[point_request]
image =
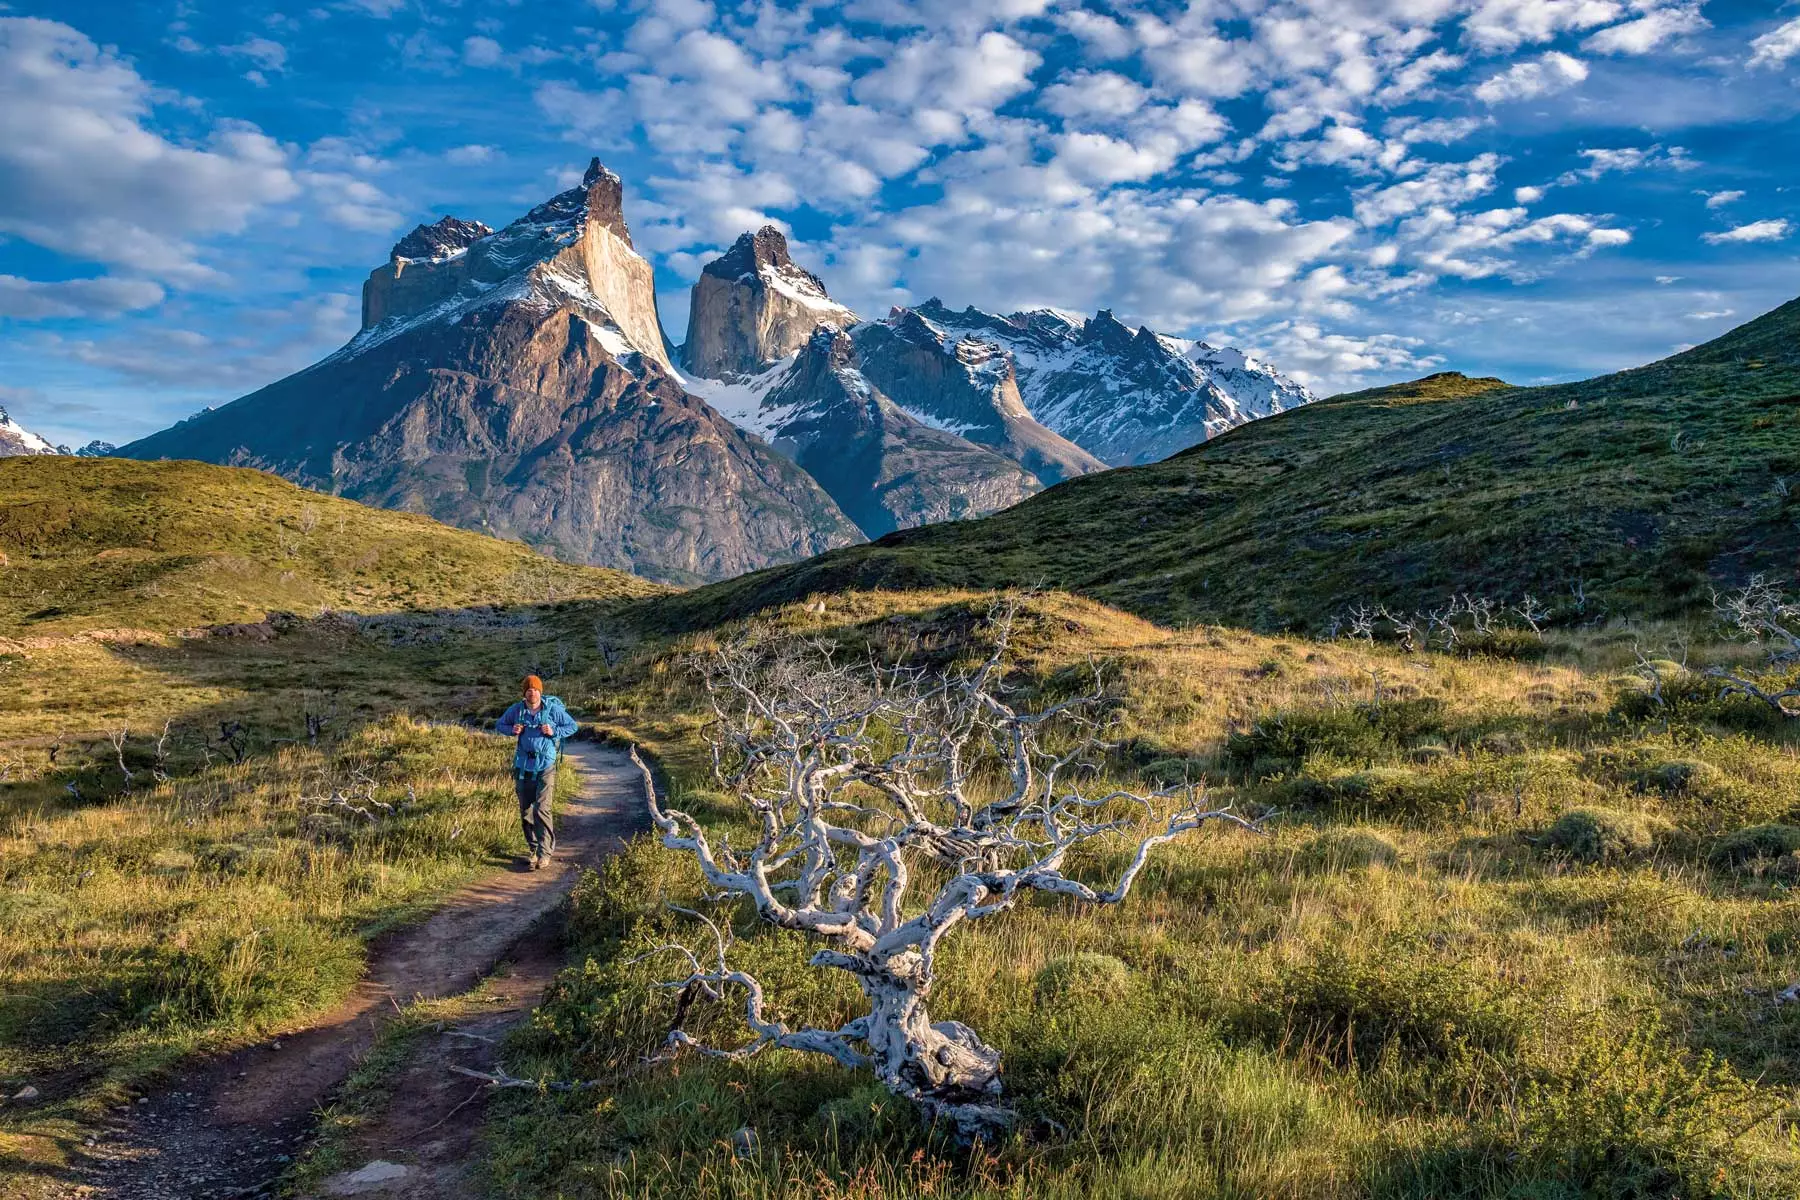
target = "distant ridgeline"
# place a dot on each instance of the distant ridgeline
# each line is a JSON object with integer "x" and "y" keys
{"x": 519, "y": 382}
{"x": 1629, "y": 494}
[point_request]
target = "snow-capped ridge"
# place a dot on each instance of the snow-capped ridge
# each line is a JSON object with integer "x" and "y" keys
{"x": 1127, "y": 394}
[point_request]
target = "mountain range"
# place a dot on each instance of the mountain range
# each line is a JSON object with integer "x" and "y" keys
{"x": 519, "y": 381}
{"x": 1639, "y": 493}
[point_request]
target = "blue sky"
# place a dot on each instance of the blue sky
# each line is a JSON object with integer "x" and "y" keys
{"x": 1360, "y": 190}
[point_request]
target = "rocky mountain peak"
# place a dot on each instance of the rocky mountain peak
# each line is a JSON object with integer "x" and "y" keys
{"x": 599, "y": 202}
{"x": 1108, "y": 332}
{"x": 754, "y": 305}
{"x": 442, "y": 240}
{"x": 572, "y": 253}
{"x": 767, "y": 247}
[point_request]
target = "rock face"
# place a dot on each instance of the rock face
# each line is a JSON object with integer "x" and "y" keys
{"x": 16, "y": 440}
{"x": 1125, "y": 395}
{"x": 97, "y": 449}
{"x": 885, "y": 468}
{"x": 754, "y": 305}
{"x": 966, "y": 386}
{"x": 518, "y": 383}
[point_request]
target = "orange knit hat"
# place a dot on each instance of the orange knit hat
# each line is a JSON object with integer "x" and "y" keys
{"x": 531, "y": 681}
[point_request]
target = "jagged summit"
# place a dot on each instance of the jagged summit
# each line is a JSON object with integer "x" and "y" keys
{"x": 753, "y": 306}
{"x": 599, "y": 200}
{"x": 767, "y": 247}
{"x": 447, "y": 238}
{"x": 574, "y": 250}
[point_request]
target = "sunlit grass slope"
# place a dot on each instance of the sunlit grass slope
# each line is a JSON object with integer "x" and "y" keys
{"x": 1518, "y": 931}
{"x": 91, "y": 543}
{"x": 1630, "y": 493}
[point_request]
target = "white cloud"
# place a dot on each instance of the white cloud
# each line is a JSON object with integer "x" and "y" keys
{"x": 1104, "y": 38}
{"x": 933, "y": 72}
{"x": 1721, "y": 199}
{"x": 81, "y": 174}
{"x": 1094, "y": 94}
{"x": 1775, "y": 47}
{"x": 1481, "y": 245}
{"x": 1755, "y": 231}
{"x": 472, "y": 154}
{"x": 1528, "y": 195}
{"x": 482, "y": 52}
{"x": 1553, "y": 72}
{"x": 1499, "y": 25}
{"x": 1315, "y": 356}
{"x": 1627, "y": 158}
{"x": 1647, "y": 32}
{"x": 28, "y": 300}
{"x": 1713, "y": 315}
{"x": 1441, "y": 185}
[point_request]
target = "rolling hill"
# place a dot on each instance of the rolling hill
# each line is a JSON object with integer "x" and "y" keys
{"x": 93, "y": 542}
{"x": 1628, "y": 493}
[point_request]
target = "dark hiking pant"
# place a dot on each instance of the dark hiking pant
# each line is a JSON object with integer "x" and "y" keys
{"x": 535, "y": 790}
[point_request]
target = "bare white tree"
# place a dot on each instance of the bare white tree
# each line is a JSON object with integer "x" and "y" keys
{"x": 1762, "y": 613}
{"x": 862, "y": 779}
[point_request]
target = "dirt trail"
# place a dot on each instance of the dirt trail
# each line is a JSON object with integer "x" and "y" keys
{"x": 229, "y": 1127}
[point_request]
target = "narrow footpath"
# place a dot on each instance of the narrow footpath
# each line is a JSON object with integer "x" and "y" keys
{"x": 229, "y": 1127}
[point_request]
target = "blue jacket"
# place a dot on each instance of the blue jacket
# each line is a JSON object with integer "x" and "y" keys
{"x": 537, "y": 752}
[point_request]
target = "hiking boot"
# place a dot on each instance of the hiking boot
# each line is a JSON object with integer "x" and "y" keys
{"x": 537, "y": 864}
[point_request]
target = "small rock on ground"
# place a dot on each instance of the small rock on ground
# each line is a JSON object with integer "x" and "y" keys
{"x": 366, "y": 1178}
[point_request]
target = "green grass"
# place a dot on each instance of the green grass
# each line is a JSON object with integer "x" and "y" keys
{"x": 97, "y": 543}
{"x": 1410, "y": 988}
{"x": 1629, "y": 495}
{"x": 138, "y": 926}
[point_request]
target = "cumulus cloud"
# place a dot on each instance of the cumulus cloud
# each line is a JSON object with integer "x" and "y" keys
{"x": 27, "y": 300}
{"x": 1775, "y": 47}
{"x": 1721, "y": 199}
{"x": 482, "y": 52}
{"x": 975, "y": 77}
{"x": 82, "y": 174}
{"x": 1647, "y": 32}
{"x": 1315, "y": 356}
{"x": 1500, "y": 25}
{"x": 471, "y": 154}
{"x": 1755, "y": 231}
{"x": 1627, "y": 158}
{"x": 1544, "y": 76}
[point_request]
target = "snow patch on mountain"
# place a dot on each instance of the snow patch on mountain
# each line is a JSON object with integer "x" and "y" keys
{"x": 18, "y": 441}
{"x": 1124, "y": 393}
{"x": 745, "y": 400}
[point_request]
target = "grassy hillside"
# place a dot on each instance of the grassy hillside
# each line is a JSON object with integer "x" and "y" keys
{"x": 1519, "y": 931}
{"x": 90, "y": 543}
{"x": 1629, "y": 493}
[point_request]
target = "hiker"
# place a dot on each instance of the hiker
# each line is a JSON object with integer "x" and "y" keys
{"x": 540, "y": 723}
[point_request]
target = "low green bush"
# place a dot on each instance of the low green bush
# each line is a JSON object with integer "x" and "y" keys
{"x": 1681, "y": 777}
{"x": 1084, "y": 975}
{"x": 1353, "y": 734}
{"x": 1754, "y": 843}
{"x": 1599, "y": 835}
